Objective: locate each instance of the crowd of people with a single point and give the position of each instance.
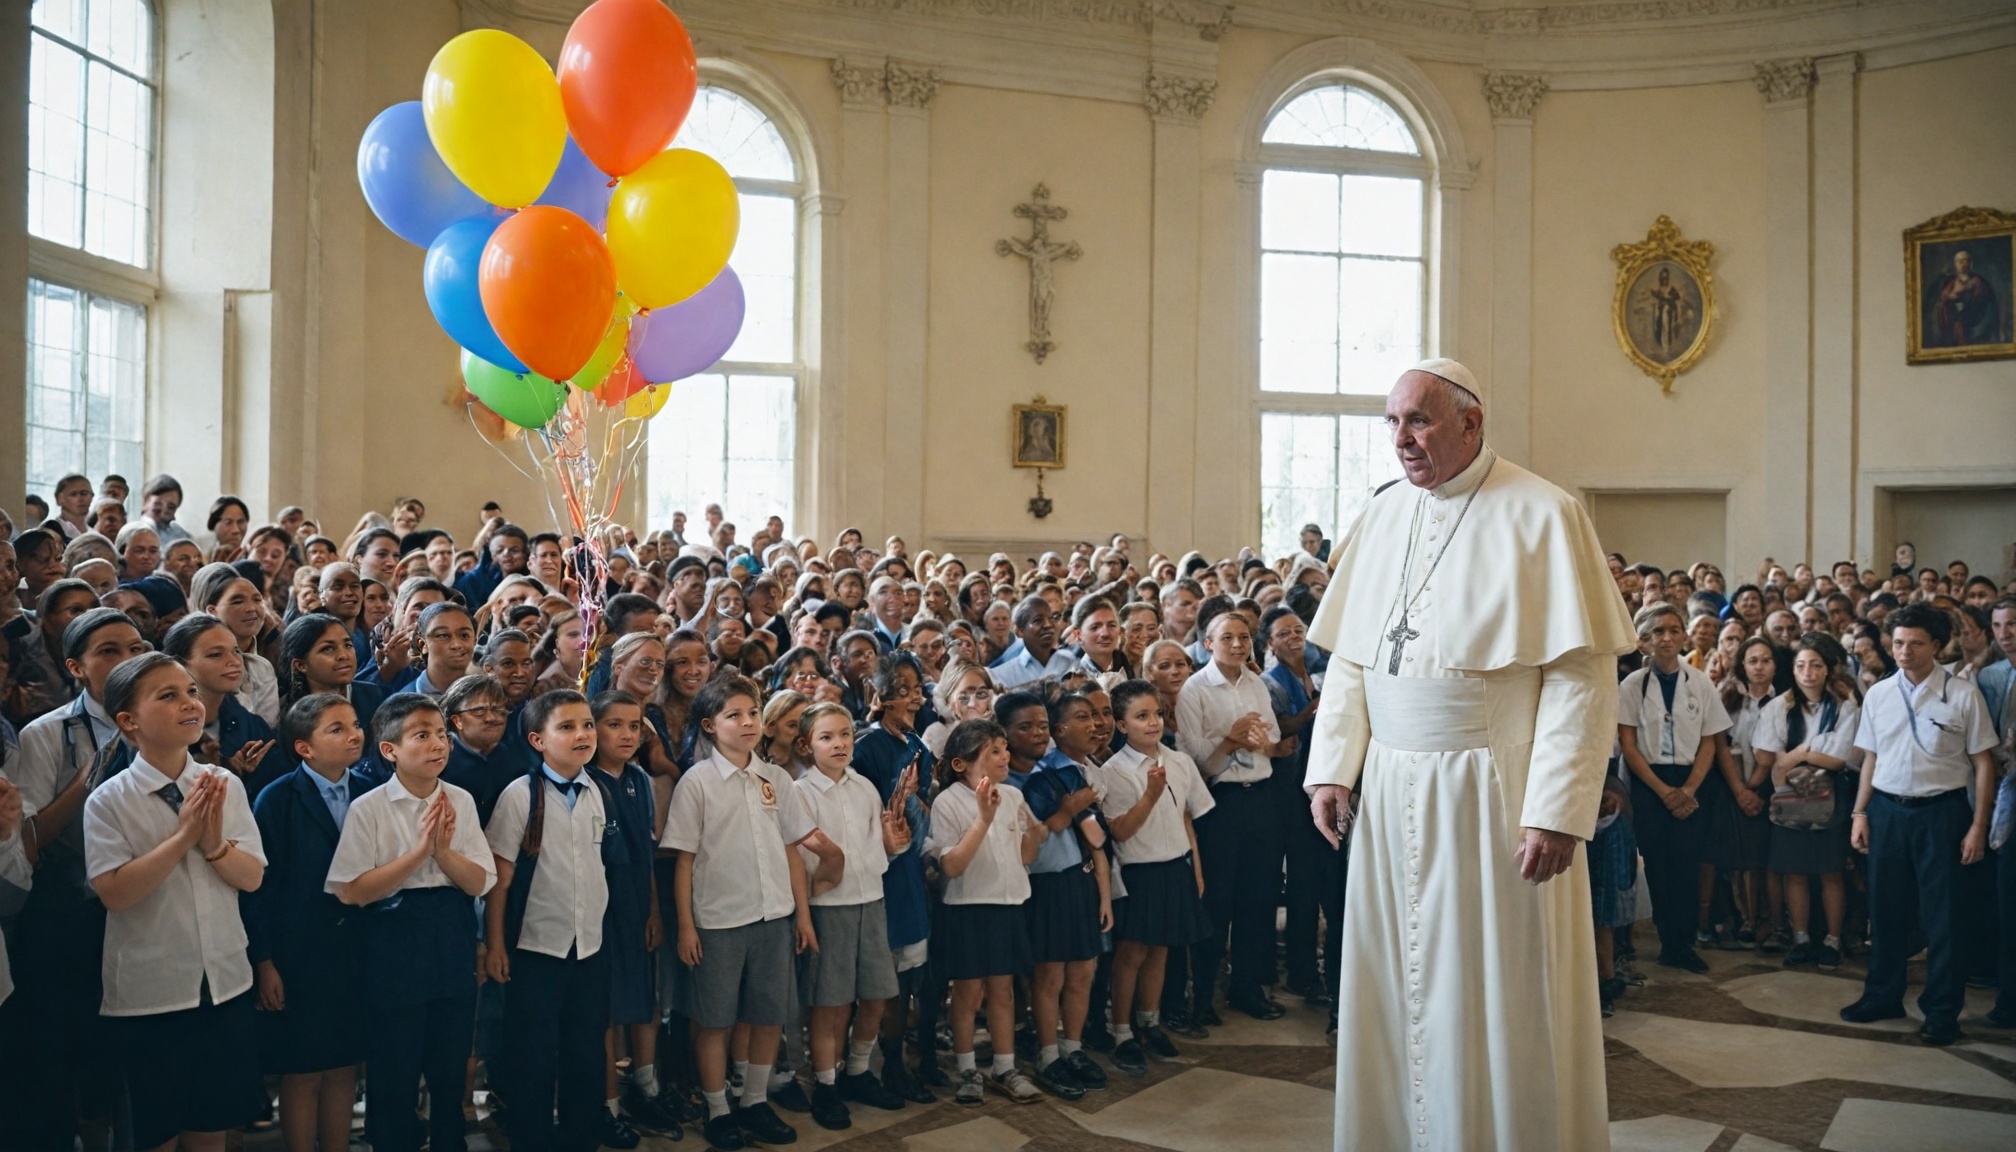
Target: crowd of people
(774, 824)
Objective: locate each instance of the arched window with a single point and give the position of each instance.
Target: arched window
(91, 129)
(729, 436)
(1344, 299)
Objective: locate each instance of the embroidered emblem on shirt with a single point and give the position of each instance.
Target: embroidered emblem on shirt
(769, 793)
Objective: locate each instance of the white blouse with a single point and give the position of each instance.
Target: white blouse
(996, 874)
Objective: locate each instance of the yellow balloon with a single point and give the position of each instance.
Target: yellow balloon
(672, 226)
(592, 374)
(648, 403)
(493, 112)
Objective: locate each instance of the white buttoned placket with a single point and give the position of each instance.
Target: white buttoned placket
(760, 825)
(577, 867)
(1411, 825)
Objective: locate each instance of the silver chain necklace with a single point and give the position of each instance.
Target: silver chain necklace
(1401, 633)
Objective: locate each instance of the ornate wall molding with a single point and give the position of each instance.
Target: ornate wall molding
(1178, 97)
(1788, 79)
(1513, 95)
(858, 85)
(909, 87)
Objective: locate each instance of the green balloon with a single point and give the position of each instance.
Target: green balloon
(524, 398)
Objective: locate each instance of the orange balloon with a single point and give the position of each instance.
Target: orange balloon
(548, 287)
(623, 382)
(627, 78)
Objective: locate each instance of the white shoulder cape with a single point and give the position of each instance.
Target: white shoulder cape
(1524, 582)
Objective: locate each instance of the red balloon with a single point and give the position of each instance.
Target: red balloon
(624, 382)
(548, 288)
(627, 78)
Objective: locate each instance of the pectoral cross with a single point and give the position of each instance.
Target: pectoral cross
(1399, 637)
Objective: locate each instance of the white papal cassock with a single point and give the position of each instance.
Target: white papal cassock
(1468, 1018)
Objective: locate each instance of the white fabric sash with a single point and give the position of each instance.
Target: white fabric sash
(1428, 713)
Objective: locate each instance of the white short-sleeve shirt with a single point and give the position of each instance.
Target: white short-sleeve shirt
(384, 824)
(739, 824)
(1675, 737)
(14, 870)
(849, 812)
(55, 747)
(1123, 780)
(159, 953)
(1205, 710)
(1771, 733)
(570, 889)
(996, 874)
(1928, 753)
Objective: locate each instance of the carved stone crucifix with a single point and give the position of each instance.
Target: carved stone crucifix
(1041, 252)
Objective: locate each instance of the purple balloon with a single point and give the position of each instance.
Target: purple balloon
(407, 186)
(676, 341)
(579, 187)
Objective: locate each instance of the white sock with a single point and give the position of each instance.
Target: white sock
(781, 1077)
(965, 1060)
(858, 1055)
(1801, 938)
(1148, 1019)
(717, 1103)
(614, 1106)
(739, 1075)
(1067, 1045)
(827, 1076)
(646, 1079)
(1004, 1064)
(1834, 942)
(1047, 1057)
(1123, 1032)
(756, 1086)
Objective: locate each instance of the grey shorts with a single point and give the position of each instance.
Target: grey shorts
(744, 975)
(853, 962)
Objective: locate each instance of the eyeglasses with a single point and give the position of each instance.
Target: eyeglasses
(973, 695)
(648, 664)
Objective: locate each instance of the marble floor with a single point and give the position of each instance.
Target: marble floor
(1748, 1058)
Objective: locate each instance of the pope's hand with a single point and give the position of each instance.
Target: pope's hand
(1544, 854)
(1330, 807)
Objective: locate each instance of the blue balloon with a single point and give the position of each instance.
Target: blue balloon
(407, 186)
(579, 187)
(454, 293)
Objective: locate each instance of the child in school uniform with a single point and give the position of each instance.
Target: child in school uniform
(853, 966)
(543, 939)
(169, 845)
(1070, 905)
(1151, 794)
(633, 930)
(234, 737)
(890, 748)
(304, 941)
(984, 839)
(412, 856)
(742, 901)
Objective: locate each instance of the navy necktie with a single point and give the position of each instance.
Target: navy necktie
(173, 795)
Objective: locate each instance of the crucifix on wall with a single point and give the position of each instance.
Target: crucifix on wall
(1042, 253)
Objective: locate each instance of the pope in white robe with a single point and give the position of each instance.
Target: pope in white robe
(1469, 710)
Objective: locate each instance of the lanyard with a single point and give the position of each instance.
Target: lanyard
(1912, 713)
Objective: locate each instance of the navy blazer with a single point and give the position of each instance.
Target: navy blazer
(307, 933)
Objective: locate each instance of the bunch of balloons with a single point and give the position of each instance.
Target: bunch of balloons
(576, 256)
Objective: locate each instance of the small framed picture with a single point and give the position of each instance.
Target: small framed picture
(1036, 437)
(1959, 302)
(1664, 306)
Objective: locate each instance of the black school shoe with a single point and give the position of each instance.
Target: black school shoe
(1205, 1016)
(763, 1124)
(863, 1088)
(1180, 1024)
(1941, 1034)
(1098, 1037)
(1154, 1042)
(1129, 1058)
(1687, 961)
(829, 1111)
(1089, 1075)
(612, 1132)
(1057, 1079)
(896, 1079)
(791, 1097)
(1258, 1006)
(646, 1111)
(725, 1133)
(1866, 1011)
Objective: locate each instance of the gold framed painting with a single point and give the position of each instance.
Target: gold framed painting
(1663, 308)
(1036, 435)
(1959, 301)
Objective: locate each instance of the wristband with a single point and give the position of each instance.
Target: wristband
(1858, 815)
(221, 852)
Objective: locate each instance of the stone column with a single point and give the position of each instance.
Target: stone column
(1176, 437)
(861, 313)
(1513, 97)
(14, 256)
(906, 287)
(1834, 382)
(1785, 532)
